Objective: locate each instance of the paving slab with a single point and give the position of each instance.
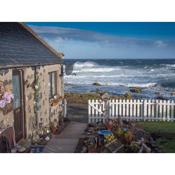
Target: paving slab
(67, 140)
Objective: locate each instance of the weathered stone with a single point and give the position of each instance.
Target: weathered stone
(128, 95)
(96, 84)
(136, 90)
(172, 93)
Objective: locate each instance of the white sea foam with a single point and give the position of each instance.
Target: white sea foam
(88, 66)
(135, 85)
(169, 65)
(96, 69)
(86, 73)
(84, 64)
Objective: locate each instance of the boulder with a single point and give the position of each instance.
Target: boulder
(96, 84)
(173, 93)
(136, 90)
(128, 96)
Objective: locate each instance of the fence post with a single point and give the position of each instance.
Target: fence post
(144, 110)
(89, 111)
(153, 110)
(109, 109)
(172, 110)
(129, 109)
(164, 110)
(134, 110)
(112, 108)
(157, 109)
(116, 108)
(160, 110)
(168, 110)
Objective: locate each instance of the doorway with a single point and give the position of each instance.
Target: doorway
(18, 104)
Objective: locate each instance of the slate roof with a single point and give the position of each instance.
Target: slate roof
(20, 46)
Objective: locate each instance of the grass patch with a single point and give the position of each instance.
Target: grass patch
(159, 127)
(166, 145)
(80, 98)
(164, 132)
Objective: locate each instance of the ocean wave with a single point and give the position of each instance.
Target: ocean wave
(143, 85)
(168, 83)
(89, 64)
(168, 65)
(96, 69)
(114, 74)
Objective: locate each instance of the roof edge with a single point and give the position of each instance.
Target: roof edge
(28, 65)
(35, 35)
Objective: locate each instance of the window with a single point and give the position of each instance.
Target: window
(16, 89)
(52, 84)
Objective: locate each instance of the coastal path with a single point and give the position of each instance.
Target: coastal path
(67, 140)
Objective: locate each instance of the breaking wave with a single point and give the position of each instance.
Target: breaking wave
(79, 67)
(142, 73)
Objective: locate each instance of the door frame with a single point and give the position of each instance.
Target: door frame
(20, 72)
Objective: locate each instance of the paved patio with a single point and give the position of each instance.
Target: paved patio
(66, 142)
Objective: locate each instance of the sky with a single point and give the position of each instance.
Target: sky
(114, 40)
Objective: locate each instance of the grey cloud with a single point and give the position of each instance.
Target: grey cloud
(84, 35)
(76, 43)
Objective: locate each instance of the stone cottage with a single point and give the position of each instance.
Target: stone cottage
(31, 82)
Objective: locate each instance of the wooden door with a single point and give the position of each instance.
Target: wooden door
(18, 104)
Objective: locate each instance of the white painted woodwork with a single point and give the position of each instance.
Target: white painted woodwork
(147, 110)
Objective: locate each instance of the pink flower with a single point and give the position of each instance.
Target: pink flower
(8, 97)
(2, 103)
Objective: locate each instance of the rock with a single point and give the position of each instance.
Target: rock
(172, 93)
(161, 97)
(128, 96)
(98, 91)
(96, 84)
(157, 93)
(136, 90)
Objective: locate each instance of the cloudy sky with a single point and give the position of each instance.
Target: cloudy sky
(109, 40)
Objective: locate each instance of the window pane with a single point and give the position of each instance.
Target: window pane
(53, 83)
(16, 91)
(50, 85)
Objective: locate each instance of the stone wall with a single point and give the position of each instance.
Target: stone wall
(39, 112)
(6, 79)
(37, 107)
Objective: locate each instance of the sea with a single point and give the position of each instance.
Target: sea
(156, 77)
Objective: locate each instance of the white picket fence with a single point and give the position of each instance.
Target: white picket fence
(146, 110)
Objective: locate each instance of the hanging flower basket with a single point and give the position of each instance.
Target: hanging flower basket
(6, 104)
